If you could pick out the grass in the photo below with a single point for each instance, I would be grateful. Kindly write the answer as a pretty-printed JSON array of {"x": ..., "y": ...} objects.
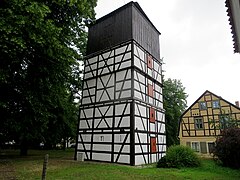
[{"x": 62, "y": 166}]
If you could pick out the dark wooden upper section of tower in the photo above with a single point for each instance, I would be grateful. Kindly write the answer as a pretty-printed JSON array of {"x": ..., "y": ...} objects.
[{"x": 124, "y": 24}]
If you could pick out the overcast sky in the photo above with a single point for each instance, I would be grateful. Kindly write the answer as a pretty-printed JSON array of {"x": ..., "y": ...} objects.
[{"x": 195, "y": 44}]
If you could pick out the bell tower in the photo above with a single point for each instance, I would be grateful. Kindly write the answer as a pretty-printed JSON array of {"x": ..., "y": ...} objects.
[{"x": 121, "y": 115}]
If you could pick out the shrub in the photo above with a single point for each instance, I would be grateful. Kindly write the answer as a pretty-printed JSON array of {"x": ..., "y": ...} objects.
[
  {"x": 227, "y": 147},
  {"x": 179, "y": 156}
]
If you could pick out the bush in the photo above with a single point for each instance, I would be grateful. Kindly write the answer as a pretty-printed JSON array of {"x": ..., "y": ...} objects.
[
  {"x": 179, "y": 156},
  {"x": 227, "y": 147}
]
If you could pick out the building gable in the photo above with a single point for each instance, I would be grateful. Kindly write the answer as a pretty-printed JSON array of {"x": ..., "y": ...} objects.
[{"x": 203, "y": 117}]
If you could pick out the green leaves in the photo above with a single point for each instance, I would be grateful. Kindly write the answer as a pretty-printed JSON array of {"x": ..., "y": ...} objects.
[
  {"x": 40, "y": 44},
  {"x": 174, "y": 103}
]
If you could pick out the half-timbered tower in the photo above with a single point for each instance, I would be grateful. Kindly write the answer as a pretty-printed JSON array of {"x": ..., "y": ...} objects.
[
  {"x": 121, "y": 115},
  {"x": 204, "y": 120}
]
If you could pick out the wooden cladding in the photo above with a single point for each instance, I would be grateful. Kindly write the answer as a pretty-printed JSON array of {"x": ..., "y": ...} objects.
[
  {"x": 152, "y": 115},
  {"x": 153, "y": 145},
  {"x": 149, "y": 62},
  {"x": 150, "y": 90}
]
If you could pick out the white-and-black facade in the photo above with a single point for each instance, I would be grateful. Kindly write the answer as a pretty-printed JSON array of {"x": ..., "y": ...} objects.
[{"x": 121, "y": 115}]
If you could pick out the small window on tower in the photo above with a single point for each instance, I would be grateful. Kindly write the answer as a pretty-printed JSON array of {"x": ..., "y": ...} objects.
[
  {"x": 153, "y": 145},
  {"x": 152, "y": 115},
  {"x": 149, "y": 62},
  {"x": 150, "y": 90}
]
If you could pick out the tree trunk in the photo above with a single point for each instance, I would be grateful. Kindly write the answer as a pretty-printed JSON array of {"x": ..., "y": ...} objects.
[{"x": 24, "y": 148}]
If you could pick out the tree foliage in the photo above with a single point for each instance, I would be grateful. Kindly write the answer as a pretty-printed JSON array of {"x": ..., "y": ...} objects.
[
  {"x": 40, "y": 45},
  {"x": 174, "y": 103},
  {"x": 227, "y": 147},
  {"x": 178, "y": 156},
  {"x": 226, "y": 121}
]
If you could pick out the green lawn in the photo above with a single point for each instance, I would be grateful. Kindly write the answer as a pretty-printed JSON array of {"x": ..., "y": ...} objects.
[{"x": 62, "y": 166}]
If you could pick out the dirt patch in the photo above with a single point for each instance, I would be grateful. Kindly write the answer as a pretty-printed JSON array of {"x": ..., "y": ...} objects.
[{"x": 7, "y": 170}]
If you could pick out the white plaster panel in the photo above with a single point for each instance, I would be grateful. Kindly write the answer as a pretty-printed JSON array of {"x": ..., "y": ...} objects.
[
  {"x": 139, "y": 124},
  {"x": 137, "y": 62},
  {"x": 162, "y": 130},
  {"x": 102, "y": 147},
  {"x": 129, "y": 47},
  {"x": 120, "y": 75},
  {"x": 137, "y": 94},
  {"x": 136, "y": 85},
  {"x": 155, "y": 65},
  {"x": 119, "y": 138},
  {"x": 142, "y": 110},
  {"x": 110, "y": 61},
  {"x": 120, "y": 50},
  {"x": 106, "y": 55},
  {"x": 83, "y": 124},
  {"x": 126, "y": 148},
  {"x": 118, "y": 58},
  {"x": 157, "y": 88},
  {"x": 101, "y": 156},
  {"x": 150, "y": 72},
  {"x": 127, "y": 84},
  {"x": 86, "y": 137},
  {"x": 87, "y": 75},
  {"x": 89, "y": 112},
  {"x": 91, "y": 83},
  {"x": 120, "y": 107},
  {"x": 125, "y": 122},
  {"x": 139, "y": 52},
  {"x": 127, "y": 56},
  {"x": 82, "y": 114},
  {"x": 139, "y": 160},
  {"x": 161, "y": 139},
  {"x": 139, "y": 149},
  {"x": 125, "y": 94},
  {"x": 119, "y": 86},
  {"x": 150, "y": 82},
  {"x": 140, "y": 77},
  {"x": 101, "y": 64},
  {"x": 150, "y": 100},
  {"x": 87, "y": 68},
  {"x": 142, "y": 136},
  {"x": 125, "y": 64},
  {"x": 154, "y": 158},
  {"x": 111, "y": 92},
  {"x": 92, "y": 60},
  {"x": 80, "y": 146},
  {"x": 93, "y": 66},
  {"x": 128, "y": 74},
  {"x": 87, "y": 146},
  {"x": 152, "y": 127},
  {"x": 105, "y": 70},
  {"x": 106, "y": 137},
  {"x": 122, "y": 158}
]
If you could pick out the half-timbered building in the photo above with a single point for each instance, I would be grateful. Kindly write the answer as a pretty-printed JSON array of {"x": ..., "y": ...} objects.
[
  {"x": 121, "y": 116},
  {"x": 204, "y": 120}
]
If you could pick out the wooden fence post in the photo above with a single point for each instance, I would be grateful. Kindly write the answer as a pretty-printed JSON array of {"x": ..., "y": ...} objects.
[{"x": 44, "y": 171}]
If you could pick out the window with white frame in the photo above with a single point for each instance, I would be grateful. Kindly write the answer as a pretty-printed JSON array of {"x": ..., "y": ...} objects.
[
  {"x": 202, "y": 105},
  {"x": 198, "y": 121},
  {"x": 195, "y": 146},
  {"x": 215, "y": 104}
]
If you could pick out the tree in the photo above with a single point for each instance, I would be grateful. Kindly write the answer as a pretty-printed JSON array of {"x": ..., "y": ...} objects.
[
  {"x": 227, "y": 147},
  {"x": 226, "y": 121},
  {"x": 174, "y": 103},
  {"x": 40, "y": 45}
]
